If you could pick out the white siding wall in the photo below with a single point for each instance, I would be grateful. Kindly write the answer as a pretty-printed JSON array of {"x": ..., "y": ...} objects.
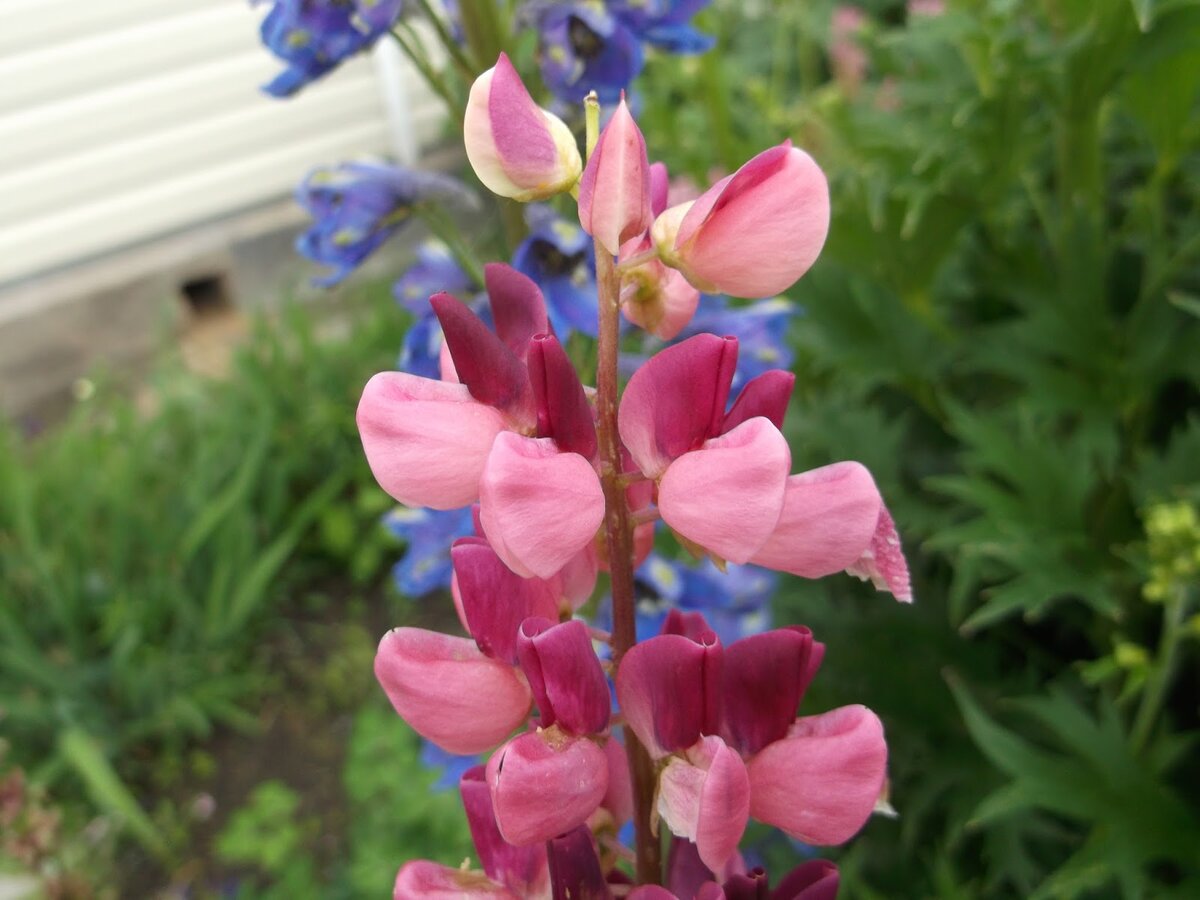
[{"x": 122, "y": 120}]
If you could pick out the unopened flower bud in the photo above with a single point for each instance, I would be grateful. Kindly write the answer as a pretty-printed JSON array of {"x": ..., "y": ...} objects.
[
  {"x": 614, "y": 195},
  {"x": 517, "y": 149}
]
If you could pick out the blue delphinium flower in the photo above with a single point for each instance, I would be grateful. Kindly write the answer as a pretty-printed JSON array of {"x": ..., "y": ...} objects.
[
  {"x": 435, "y": 270},
  {"x": 357, "y": 206},
  {"x": 589, "y": 45},
  {"x": 429, "y": 533},
  {"x": 559, "y": 256},
  {"x": 313, "y": 36},
  {"x": 449, "y": 766}
]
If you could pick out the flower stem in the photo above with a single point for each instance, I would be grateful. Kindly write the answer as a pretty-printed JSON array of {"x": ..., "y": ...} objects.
[{"x": 618, "y": 526}]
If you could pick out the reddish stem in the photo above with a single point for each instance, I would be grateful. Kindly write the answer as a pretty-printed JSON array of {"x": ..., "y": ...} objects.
[{"x": 618, "y": 527}]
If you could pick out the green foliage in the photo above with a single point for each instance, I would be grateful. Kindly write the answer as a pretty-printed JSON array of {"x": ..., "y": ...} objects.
[{"x": 145, "y": 555}]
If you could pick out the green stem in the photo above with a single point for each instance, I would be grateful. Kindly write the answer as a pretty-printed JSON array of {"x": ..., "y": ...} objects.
[
  {"x": 464, "y": 66},
  {"x": 1174, "y": 613},
  {"x": 409, "y": 44},
  {"x": 444, "y": 229}
]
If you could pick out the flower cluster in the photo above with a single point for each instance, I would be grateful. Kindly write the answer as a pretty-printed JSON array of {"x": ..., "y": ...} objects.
[
  {"x": 547, "y": 482},
  {"x": 313, "y": 36},
  {"x": 586, "y": 45}
]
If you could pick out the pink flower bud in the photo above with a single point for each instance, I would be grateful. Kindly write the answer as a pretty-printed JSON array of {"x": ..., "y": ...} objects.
[
  {"x": 614, "y": 195},
  {"x": 754, "y": 233},
  {"x": 544, "y": 784},
  {"x": 517, "y": 149},
  {"x": 448, "y": 691}
]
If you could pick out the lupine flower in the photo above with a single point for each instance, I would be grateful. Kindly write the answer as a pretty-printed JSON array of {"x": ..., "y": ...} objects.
[
  {"x": 517, "y": 149},
  {"x": 560, "y": 258},
  {"x": 614, "y": 193},
  {"x": 593, "y": 46},
  {"x": 816, "y": 879},
  {"x": 753, "y": 233},
  {"x": 724, "y": 721},
  {"x": 760, "y": 327},
  {"x": 358, "y": 206},
  {"x": 313, "y": 36},
  {"x": 426, "y": 564}
]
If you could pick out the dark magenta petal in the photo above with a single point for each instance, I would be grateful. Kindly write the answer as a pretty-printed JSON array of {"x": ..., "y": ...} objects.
[
  {"x": 520, "y": 869},
  {"x": 564, "y": 675},
  {"x": 665, "y": 687},
  {"x": 762, "y": 680},
  {"x": 689, "y": 624},
  {"x": 816, "y": 879},
  {"x": 575, "y": 866},
  {"x": 766, "y": 396},
  {"x": 751, "y": 886},
  {"x": 518, "y": 308},
  {"x": 676, "y": 401},
  {"x": 685, "y": 871},
  {"x": 563, "y": 412},
  {"x": 490, "y": 370},
  {"x": 693, "y": 625},
  {"x": 495, "y": 600}
]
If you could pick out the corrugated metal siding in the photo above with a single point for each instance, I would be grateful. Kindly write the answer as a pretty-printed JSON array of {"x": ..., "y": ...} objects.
[{"x": 121, "y": 120}]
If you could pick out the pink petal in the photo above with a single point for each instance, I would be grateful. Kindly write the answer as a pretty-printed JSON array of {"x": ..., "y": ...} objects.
[
  {"x": 651, "y": 892},
  {"x": 654, "y": 297},
  {"x": 829, "y": 517},
  {"x": 767, "y": 395},
  {"x": 664, "y": 687},
  {"x": 618, "y": 799},
  {"x": 755, "y": 233},
  {"x": 564, "y": 674},
  {"x": 563, "y": 411},
  {"x": 614, "y": 193},
  {"x": 518, "y": 308},
  {"x": 676, "y": 400},
  {"x": 705, "y": 797},
  {"x": 448, "y": 691},
  {"x": 539, "y": 507},
  {"x": 728, "y": 495},
  {"x": 660, "y": 184},
  {"x": 495, "y": 600},
  {"x": 762, "y": 681},
  {"x": 517, "y": 149},
  {"x": 424, "y": 880},
  {"x": 521, "y": 869},
  {"x": 492, "y": 373},
  {"x": 816, "y": 879},
  {"x": 883, "y": 561},
  {"x": 426, "y": 441},
  {"x": 820, "y": 783},
  {"x": 544, "y": 785},
  {"x": 577, "y": 580}
]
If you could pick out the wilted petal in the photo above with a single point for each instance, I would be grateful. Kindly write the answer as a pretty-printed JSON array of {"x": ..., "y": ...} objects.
[
  {"x": 883, "y": 561},
  {"x": 766, "y": 395},
  {"x": 756, "y": 232},
  {"x": 521, "y": 869},
  {"x": 490, "y": 370},
  {"x": 762, "y": 682},
  {"x": 518, "y": 308},
  {"x": 545, "y": 784},
  {"x": 564, "y": 675},
  {"x": 829, "y": 516},
  {"x": 676, "y": 400},
  {"x": 663, "y": 687},
  {"x": 448, "y": 691},
  {"x": 819, "y": 784},
  {"x": 517, "y": 149},
  {"x": 424, "y": 880},
  {"x": 728, "y": 495},
  {"x": 426, "y": 441},
  {"x": 614, "y": 193},
  {"x": 705, "y": 797},
  {"x": 495, "y": 600},
  {"x": 816, "y": 879},
  {"x": 539, "y": 507}
]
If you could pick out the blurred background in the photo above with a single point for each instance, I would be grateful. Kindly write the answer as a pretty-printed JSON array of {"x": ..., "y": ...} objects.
[{"x": 1004, "y": 326}]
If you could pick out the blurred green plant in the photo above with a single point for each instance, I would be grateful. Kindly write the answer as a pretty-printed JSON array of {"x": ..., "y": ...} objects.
[{"x": 145, "y": 556}]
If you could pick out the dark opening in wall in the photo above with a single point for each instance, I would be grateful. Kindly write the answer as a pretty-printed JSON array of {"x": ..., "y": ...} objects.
[{"x": 206, "y": 295}]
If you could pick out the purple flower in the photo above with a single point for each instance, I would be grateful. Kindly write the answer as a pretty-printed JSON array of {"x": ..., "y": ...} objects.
[
  {"x": 313, "y": 36},
  {"x": 559, "y": 256},
  {"x": 356, "y": 207}
]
